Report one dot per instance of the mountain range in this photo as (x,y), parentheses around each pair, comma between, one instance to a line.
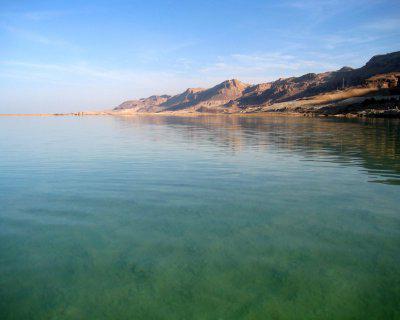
(380,76)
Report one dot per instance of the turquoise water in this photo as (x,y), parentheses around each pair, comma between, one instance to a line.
(199,218)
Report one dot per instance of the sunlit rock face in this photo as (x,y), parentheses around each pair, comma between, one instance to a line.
(380,72)
(143,104)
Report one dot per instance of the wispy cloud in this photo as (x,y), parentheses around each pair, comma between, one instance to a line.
(319,12)
(37,15)
(83,86)
(162,51)
(325,5)
(39,38)
(42,15)
(310,4)
(83,73)
(384,25)
(265,66)
(55,71)
(336,40)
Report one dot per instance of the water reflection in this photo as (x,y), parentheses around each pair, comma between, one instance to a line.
(199,218)
(372,144)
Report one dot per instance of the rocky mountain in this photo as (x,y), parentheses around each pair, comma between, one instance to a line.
(380,72)
(195,99)
(149,104)
(313,84)
(216,96)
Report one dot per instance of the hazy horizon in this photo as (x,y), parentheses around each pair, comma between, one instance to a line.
(72,55)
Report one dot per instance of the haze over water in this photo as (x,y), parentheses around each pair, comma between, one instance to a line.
(158,217)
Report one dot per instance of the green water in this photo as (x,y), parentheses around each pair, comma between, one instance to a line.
(199,218)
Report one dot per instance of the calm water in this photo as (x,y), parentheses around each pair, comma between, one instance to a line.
(199,218)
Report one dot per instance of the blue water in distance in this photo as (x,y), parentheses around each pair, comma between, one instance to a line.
(224,217)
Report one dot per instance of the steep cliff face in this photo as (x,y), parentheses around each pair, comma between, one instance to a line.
(382,71)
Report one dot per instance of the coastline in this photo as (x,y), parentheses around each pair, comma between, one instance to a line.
(352,103)
(305,113)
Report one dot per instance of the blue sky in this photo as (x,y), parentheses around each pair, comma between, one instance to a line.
(70,55)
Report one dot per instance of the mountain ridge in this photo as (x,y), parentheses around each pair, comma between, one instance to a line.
(233,96)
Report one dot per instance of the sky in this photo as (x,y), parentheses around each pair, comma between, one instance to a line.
(62,56)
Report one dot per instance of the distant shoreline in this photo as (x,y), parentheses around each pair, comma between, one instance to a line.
(371,91)
(178,114)
(312,114)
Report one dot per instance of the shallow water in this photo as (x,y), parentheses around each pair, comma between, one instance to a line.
(199,218)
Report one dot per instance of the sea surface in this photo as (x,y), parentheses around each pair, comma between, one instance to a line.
(224,217)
